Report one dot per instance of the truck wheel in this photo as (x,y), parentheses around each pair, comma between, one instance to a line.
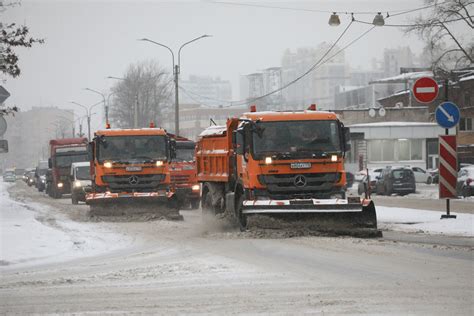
(207,213)
(74,199)
(195,204)
(241,218)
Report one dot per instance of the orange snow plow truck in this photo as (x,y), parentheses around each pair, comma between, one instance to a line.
(130,173)
(277,170)
(183,173)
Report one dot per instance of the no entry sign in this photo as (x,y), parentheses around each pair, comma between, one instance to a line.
(425,90)
(448,164)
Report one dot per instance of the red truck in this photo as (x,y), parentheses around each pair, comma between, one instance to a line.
(183,173)
(63,152)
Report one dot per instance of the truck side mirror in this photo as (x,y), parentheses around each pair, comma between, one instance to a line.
(50,163)
(347,138)
(172,149)
(3,146)
(90,151)
(238,140)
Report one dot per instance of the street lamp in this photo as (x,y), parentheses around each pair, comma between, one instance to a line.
(88,112)
(176,70)
(106,105)
(135,105)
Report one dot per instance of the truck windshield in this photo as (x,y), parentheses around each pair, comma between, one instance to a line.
(184,154)
(83,173)
(296,138)
(65,160)
(126,148)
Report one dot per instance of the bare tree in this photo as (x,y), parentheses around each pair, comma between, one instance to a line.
(447,49)
(146,88)
(11,37)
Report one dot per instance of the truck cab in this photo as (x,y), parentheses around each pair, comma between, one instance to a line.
(183,174)
(130,166)
(63,152)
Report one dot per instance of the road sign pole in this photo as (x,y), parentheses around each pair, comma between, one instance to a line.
(446,132)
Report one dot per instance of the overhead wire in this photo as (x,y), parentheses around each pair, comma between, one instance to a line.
(242,102)
(412,25)
(396,12)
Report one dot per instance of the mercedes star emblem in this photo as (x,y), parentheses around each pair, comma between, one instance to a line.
(133,180)
(300,181)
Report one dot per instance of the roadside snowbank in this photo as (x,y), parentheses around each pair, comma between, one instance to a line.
(429,222)
(31,234)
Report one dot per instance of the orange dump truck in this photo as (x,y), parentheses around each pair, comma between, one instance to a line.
(183,173)
(274,169)
(130,172)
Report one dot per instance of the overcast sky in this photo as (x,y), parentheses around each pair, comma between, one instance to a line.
(86,41)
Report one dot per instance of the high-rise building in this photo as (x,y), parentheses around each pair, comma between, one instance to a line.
(29,132)
(205,89)
(319,85)
(395,58)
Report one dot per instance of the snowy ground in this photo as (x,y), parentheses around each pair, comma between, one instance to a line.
(34,232)
(30,234)
(427,222)
(423,191)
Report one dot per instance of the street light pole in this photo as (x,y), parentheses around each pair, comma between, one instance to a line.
(176,71)
(106,106)
(88,112)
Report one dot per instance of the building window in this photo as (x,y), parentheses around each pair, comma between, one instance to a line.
(395,150)
(382,150)
(465,124)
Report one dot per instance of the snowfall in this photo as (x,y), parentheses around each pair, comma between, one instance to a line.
(31,234)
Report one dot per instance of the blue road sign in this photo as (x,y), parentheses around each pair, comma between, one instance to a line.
(447,115)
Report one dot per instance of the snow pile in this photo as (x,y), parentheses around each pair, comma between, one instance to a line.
(429,222)
(31,234)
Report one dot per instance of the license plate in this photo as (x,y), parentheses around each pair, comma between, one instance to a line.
(301,165)
(133,168)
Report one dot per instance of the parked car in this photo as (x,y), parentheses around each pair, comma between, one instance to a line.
(80,179)
(465,182)
(373,173)
(421,176)
(400,180)
(9,176)
(434,174)
(361,187)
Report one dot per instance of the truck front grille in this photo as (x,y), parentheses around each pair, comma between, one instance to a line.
(317,183)
(180,179)
(133,183)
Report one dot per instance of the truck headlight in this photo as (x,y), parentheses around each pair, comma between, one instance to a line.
(77,184)
(268,160)
(60,184)
(107,164)
(159,163)
(196,187)
(334,158)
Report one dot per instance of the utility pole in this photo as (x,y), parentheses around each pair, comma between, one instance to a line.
(176,69)
(176,99)
(135,113)
(89,126)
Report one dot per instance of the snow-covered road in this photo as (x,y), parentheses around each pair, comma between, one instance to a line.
(162,267)
(35,233)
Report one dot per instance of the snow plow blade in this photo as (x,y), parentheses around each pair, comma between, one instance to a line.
(162,204)
(353,216)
